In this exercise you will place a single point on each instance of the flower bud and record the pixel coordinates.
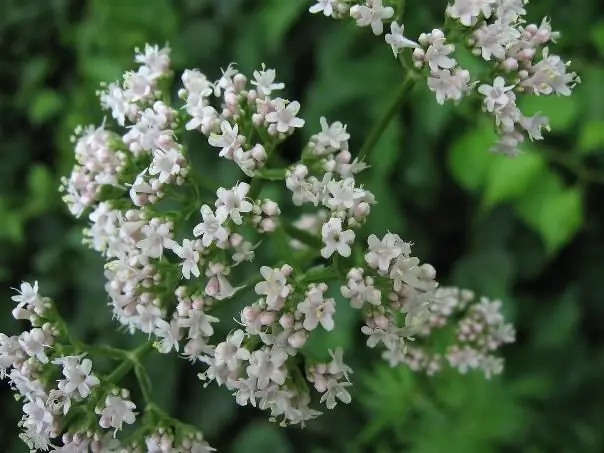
(258, 153)
(287, 321)
(297, 339)
(267, 318)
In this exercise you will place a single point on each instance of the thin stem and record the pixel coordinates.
(400, 10)
(574, 165)
(382, 123)
(144, 382)
(131, 360)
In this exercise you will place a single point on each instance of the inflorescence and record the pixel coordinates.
(175, 242)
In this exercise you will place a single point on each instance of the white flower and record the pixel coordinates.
(337, 365)
(229, 141)
(334, 135)
(211, 228)
(491, 366)
(246, 391)
(397, 40)
(139, 85)
(373, 14)
(33, 343)
(166, 164)
(140, 186)
(449, 84)
(147, 316)
(336, 390)
(117, 411)
(317, 310)
(267, 366)
(230, 352)
(467, 11)
(285, 115)
(264, 81)
(359, 292)
(37, 415)
(190, 257)
(437, 54)
(170, 334)
(381, 253)
(495, 96)
(196, 85)
(158, 60)
(157, 237)
(274, 286)
(324, 6)
(78, 378)
(464, 359)
(494, 39)
(198, 323)
(343, 193)
(10, 351)
(231, 203)
(533, 125)
(335, 239)
(28, 296)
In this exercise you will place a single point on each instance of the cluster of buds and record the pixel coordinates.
(518, 56)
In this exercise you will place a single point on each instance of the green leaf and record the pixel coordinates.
(597, 36)
(508, 177)
(488, 272)
(11, 223)
(387, 149)
(562, 111)
(261, 438)
(45, 104)
(557, 328)
(591, 137)
(469, 158)
(42, 190)
(278, 16)
(552, 210)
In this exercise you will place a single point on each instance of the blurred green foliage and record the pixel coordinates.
(529, 230)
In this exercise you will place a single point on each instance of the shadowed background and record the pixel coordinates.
(529, 230)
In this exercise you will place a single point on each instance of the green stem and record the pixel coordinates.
(400, 10)
(144, 382)
(132, 359)
(381, 124)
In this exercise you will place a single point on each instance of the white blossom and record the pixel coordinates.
(372, 14)
(396, 40)
(284, 115)
(211, 229)
(335, 239)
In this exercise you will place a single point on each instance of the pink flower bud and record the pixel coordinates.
(239, 81)
(251, 313)
(381, 321)
(510, 64)
(297, 339)
(258, 153)
(287, 321)
(287, 270)
(267, 318)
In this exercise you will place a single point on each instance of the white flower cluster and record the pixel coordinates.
(52, 384)
(518, 55)
(479, 330)
(175, 243)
